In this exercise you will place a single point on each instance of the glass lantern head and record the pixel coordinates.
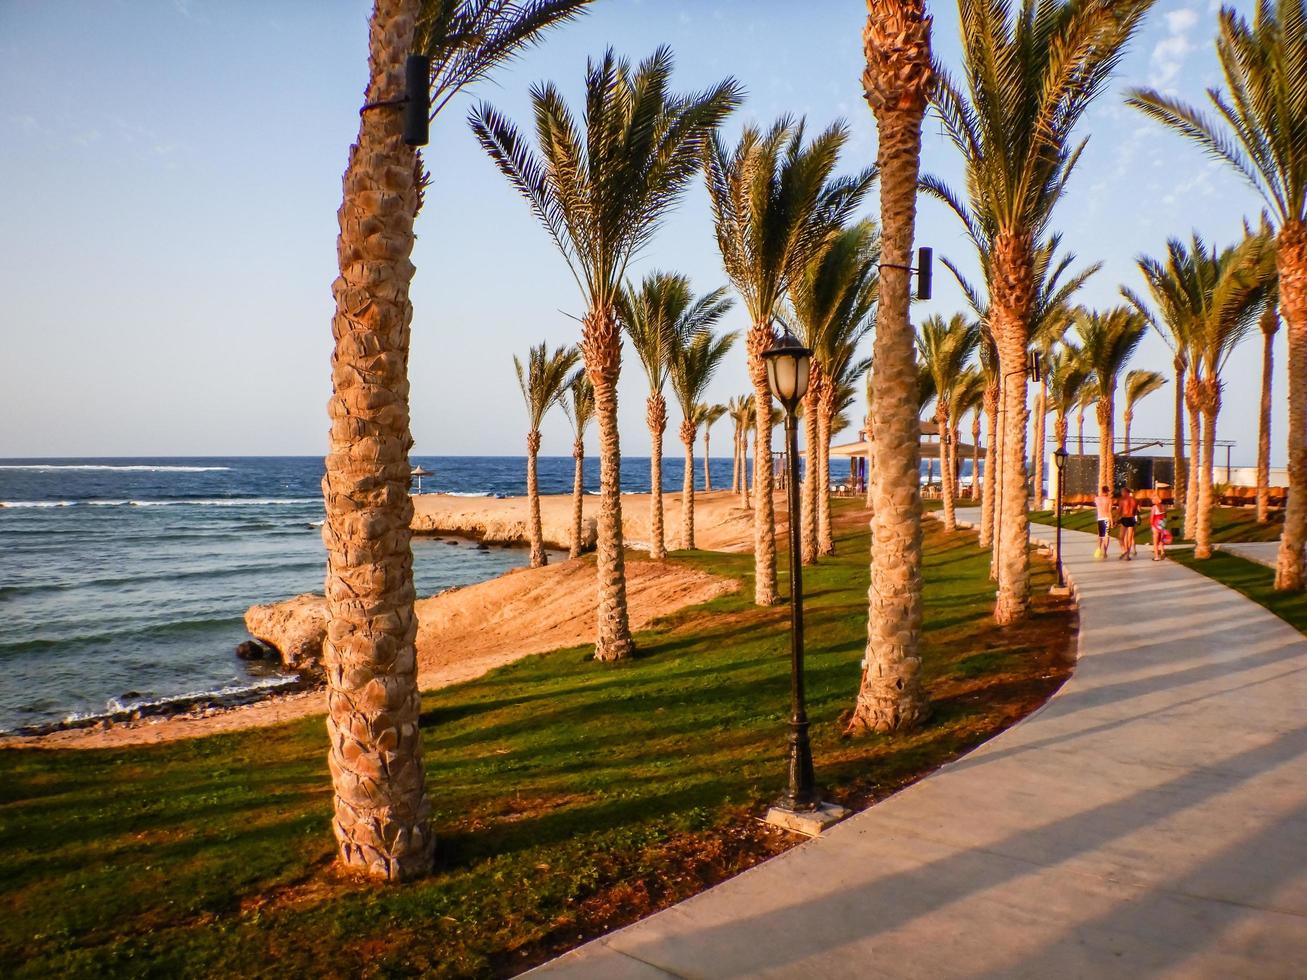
(789, 366)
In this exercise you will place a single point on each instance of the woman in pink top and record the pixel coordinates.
(1157, 521)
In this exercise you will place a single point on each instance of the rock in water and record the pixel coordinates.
(256, 650)
(295, 629)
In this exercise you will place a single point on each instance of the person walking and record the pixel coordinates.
(1103, 505)
(1157, 521)
(1129, 508)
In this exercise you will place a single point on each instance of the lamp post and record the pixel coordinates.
(788, 367)
(1059, 457)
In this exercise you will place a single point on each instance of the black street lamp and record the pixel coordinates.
(1059, 457)
(788, 367)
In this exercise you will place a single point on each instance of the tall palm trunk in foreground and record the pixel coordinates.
(1179, 462)
(896, 83)
(808, 501)
(382, 812)
(988, 494)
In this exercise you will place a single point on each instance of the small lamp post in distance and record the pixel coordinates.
(789, 366)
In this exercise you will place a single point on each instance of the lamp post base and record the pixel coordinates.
(808, 822)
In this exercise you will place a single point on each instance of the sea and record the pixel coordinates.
(125, 581)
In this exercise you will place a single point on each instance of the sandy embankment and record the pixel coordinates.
(466, 632)
(720, 522)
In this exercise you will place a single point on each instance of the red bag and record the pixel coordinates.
(1167, 536)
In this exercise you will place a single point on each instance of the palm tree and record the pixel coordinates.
(544, 383)
(1083, 404)
(581, 411)
(968, 399)
(740, 410)
(839, 392)
(711, 414)
(775, 204)
(829, 303)
(1258, 133)
(693, 365)
(1069, 378)
(1107, 342)
(1030, 76)
(659, 317)
(1204, 299)
(382, 815)
(897, 83)
(601, 195)
(946, 348)
(1138, 386)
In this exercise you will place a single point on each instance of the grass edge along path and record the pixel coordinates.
(570, 797)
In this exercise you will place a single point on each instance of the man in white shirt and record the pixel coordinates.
(1103, 504)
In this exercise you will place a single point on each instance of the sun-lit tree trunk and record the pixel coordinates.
(975, 456)
(1180, 464)
(1080, 428)
(988, 491)
(578, 497)
(1128, 419)
(870, 456)
(601, 344)
(946, 467)
(1211, 407)
(536, 532)
(746, 481)
(687, 487)
(1106, 412)
(707, 459)
(825, 526)
(764, 512)
(1012, 296)
(808, 496)
(897, 80)
(1291, 258)
(656, 418)
(1193, 401)
(382, 815)
(1270, 327)
(1041, 419)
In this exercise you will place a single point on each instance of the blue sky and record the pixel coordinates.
(171, 174)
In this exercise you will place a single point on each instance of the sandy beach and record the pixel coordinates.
(465, 632)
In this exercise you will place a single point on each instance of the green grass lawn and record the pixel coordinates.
(1255, 581)
(569, 796)
(1228, 524)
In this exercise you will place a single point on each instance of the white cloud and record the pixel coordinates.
(1170, 53)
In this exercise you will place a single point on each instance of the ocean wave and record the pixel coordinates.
(177, 628)
(170, 502)
(38, 503)
(133, 468)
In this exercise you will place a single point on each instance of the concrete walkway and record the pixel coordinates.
(1151, 820)
(1263, 552)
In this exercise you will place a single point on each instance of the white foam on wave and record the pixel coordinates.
(116, 706)
(37, 503)
(133, 468)
(214, 502)
(469, 493)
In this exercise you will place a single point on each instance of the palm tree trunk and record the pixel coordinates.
(1128, 418)
(1013, 280)
(1270, 326)
(891, 696)
(975, 456)
(808, 496)
(1195, 453)
(1180, 479)
(656, 418)
(825, 529)
(1106, 410)
(578, 493)
(946, 465)
(382, 815)
(1080, 430)
(538, 556)
(870, 456)
(745, 484)
(707, 477)
(601, 344)
(1291, 260)
(1210, 407)
(764, 513)
(1041, 418)
(687, 489)
(988, 493)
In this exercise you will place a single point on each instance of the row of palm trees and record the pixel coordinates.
(600, 187)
